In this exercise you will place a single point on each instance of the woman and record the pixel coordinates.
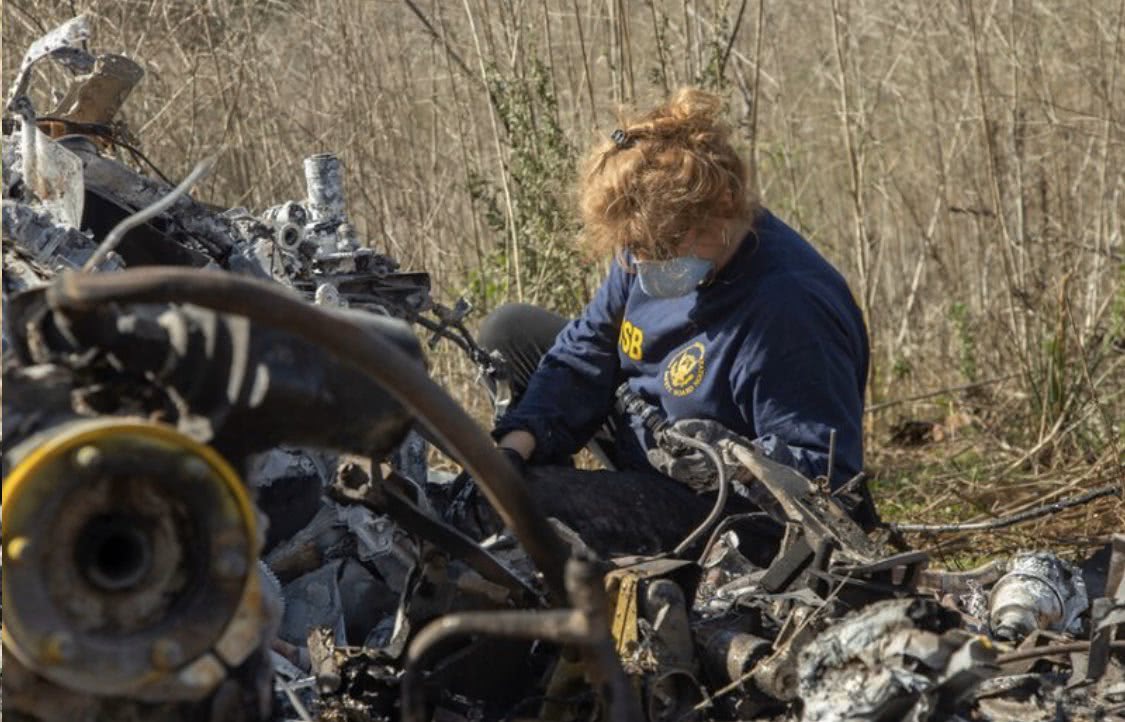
(713, 310)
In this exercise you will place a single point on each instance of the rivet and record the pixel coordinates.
(194, 467)
(230, 564)
(167, 654)
(18, 548)
(87, 457)
(58, 647)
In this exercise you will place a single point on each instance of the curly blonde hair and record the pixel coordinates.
(668, 171)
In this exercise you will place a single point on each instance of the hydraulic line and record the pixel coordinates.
(630, 403)
(720, 500)
(273, 305)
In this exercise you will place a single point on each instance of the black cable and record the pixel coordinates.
(107, 132)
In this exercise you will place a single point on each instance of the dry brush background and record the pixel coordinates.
(962, 162)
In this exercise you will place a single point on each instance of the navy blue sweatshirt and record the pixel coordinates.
(773, 347)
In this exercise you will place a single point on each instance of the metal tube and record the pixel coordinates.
(563, 626)
(720, 500)
(273, 305)
(586, 626)
(456, 544)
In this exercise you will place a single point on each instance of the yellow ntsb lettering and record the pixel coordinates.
(630, 340)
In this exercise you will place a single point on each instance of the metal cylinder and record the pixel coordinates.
(728, 654)
(1040, 591)
(324, 183)
(129, 554)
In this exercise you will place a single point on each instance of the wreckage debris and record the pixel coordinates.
(1040, 591)
(214, 508)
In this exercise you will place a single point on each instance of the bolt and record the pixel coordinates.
(18, 548)
(87, 457)
(167, 654)
(194, 467)
(58, 647)
(230, 564)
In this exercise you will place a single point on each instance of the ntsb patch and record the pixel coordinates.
(685, 370)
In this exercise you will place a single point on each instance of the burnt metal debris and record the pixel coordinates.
(217, 505)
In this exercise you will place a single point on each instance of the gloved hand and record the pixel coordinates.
(467, 509)
(693, 467)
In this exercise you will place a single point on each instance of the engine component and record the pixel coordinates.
(130, 557)
(895, 660)
(728, 653)
(1040, 591)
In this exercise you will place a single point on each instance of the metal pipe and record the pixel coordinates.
(586, 626)
(1113, 489)
(457, 545)
(273, 305)
(324, 183)
(720, 500)
(563, 626)
(1047, 651)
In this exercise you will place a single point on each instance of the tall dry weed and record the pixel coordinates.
(962, 163)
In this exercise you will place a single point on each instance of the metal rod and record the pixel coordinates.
(831, 455)
(1005, 521)
(1047, 651)
(563, 626)
(127, 224)
(850, 485)
(459, 546)
(586, 626)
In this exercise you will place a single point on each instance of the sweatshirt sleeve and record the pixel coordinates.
(802, 373)
(571, 392)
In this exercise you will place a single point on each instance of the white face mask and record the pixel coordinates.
(674, 277)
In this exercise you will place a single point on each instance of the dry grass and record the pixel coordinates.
(962, 163)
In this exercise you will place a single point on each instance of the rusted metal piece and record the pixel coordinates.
(1115, 578)
(776, 675)
(673, 696)
(1107, 618)
(942, 581)
(97, 96)
(803, 503)
(51, 173)
(728, 653)
(587, 594)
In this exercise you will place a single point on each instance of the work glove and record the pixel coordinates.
(691, 466)
(467, 509)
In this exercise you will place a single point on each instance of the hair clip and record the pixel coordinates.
(621, 140)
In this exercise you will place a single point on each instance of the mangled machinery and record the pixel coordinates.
(216, 503)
